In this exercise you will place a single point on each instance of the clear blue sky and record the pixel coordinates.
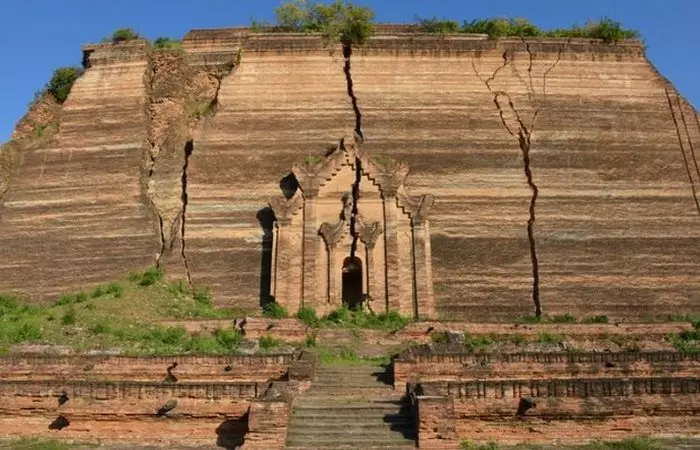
(37, 36)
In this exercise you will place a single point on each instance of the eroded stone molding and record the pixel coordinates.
(315, 242)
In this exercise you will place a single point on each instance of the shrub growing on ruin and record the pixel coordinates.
(166, 43)
(339, 21)
(274, 310)
(308, 316)
(596, 319)
(563, 318)
(606, 29)
(147, 278)
(439, 26)
(268, 343)
(62, 82)
(124, 35)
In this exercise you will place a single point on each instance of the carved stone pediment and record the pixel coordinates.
(368, 232)
(333, 233)
(416, 206)
(285, 208)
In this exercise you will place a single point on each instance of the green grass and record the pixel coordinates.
(563, 318)
(275, 311)
(478, 343)
(343, 317)
(635, 443)
(268, 343)
(595, 319)
(687, 341)
(38, 444)
(124, 316)
(549, 338)
(346, 356)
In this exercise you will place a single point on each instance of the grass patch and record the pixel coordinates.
(563, 318)
(595, 319)
(268, 343)
(479, 343)
(275, 311)
(119, 316)
(634, 443)
(347, 356)
(308, 316)
(549, 338)
(687, 341)
(39, 444)
(147, 278)
(471, 445)
(343, 317)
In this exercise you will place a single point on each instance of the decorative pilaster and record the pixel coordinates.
(418, 209)
(425, 300)
(287, 273)
(332, 235)
(369, 233)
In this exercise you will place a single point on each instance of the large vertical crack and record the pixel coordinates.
(524, 140)
(359, 134)
(685, 158)
(189, 148)
(347, 54)
(523, 133)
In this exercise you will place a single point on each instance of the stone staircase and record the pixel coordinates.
(351, 407)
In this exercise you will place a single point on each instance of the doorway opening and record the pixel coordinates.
(352, 283)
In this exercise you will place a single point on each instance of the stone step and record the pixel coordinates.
(326, 404)
(349, 440)
(343, 431)
(353, 414)
(354, 446)
(362, 391)
(391, 421)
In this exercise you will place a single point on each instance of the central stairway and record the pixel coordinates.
(351, 407)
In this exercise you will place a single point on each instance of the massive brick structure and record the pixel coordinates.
(563, 171)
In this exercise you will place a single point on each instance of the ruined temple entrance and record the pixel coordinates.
(352, 283)
(347, 230)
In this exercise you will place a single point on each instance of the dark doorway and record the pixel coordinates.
(352, 283)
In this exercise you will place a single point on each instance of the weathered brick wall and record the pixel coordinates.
(604, 156)
(427, 367)
(436, 422)
(128, 413)
(189, 368)
(267, 423)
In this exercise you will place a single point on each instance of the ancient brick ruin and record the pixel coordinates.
(556, 166)
(462, 181)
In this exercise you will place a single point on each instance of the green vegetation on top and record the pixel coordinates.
(122, 35)
(605, 29)
(166, 43)
(340, 20)
(62, 82)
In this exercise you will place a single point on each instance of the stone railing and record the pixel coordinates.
(426, 355)
(131, 390)
(193, 368)
(581, 388)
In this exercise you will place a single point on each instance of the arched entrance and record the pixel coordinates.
(352, 283)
